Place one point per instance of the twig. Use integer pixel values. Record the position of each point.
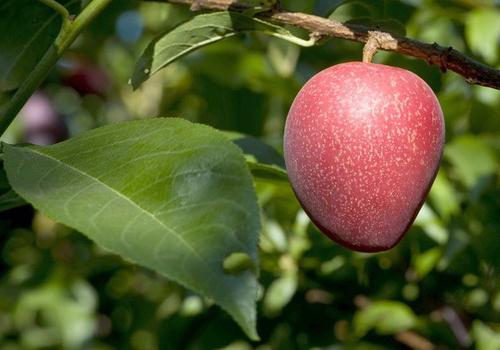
(447, 58)
(65, 16)
(414, 341)
(66, 36)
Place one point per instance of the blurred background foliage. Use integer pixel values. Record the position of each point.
(438, 289)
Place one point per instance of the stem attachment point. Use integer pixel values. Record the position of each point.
(377, 40)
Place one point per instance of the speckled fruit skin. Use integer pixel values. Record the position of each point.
(363, 143)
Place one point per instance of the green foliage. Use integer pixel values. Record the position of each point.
(486, 338)
(35, 26)
(482, 32)
(373, 14)
(196, 33)
(471, 158)
(170, 195)
(8, 198)
(386, 317)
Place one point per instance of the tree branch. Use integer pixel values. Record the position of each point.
(446, 58)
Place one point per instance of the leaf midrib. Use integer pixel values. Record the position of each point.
(119, 194)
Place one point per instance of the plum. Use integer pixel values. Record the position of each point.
(41, 122)
(362, 145)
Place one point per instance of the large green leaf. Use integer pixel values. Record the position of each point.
(198, 32)
(27, 28)
(173, 196)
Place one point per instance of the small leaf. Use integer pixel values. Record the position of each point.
(262, 152)
(268, 173)
(443, 196)
(167, 194)
(485, 337)
(373, 8)
(197, 32)
(482, 31)
(432, 224)
(236, 263)
(265, 163)
(27, 29)
(386, 317)
(471, 159)
(426, 261)
(279, 293)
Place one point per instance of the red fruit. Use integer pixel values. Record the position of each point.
(363, 143)
(87, 79)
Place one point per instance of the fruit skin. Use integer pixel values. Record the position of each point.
(362, 146)
(86, 78)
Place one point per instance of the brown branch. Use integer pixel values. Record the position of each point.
(414, 341)
(446, 57)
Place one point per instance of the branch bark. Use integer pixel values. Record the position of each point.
(446, 58)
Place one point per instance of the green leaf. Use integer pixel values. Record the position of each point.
(471, 159)
(237, 263)
(279, 293)
(265, 163)
(268, 173)
(386, 317)
(260, 151)
(426, 261)
(66, 314)
(443, 196)
(485, 337)
(27, 29)
(342, 9)
(167, 194)
(198, 32)
(432, 224)
(8, 198)
(482, 31)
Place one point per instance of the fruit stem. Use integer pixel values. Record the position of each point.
(375, 40)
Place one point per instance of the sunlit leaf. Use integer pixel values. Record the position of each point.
(279, 293)
(386, 317)
(170, 195)
(482, 31)
(471, 159)
(66, 314)
(431, 224)
(426, 261)
(485, 337)
(443, 196)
